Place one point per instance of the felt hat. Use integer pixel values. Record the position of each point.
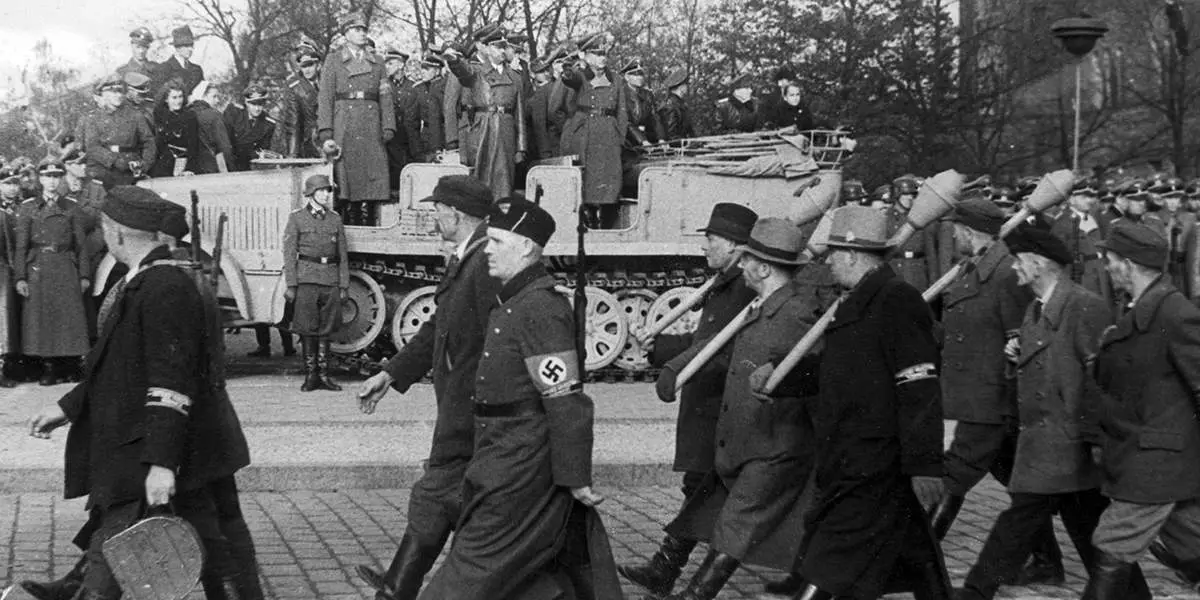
(731, 221)
(464, 193)
(777, 241)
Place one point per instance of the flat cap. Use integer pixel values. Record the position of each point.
(980, 214)
(523, 217)
(1038, 240)
(141, 36)
(137, 207)
(1137, 242)
(464, 193)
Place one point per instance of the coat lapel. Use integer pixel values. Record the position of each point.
(855, 305)
(1036, 336)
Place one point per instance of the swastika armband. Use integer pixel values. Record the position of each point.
(916, 373)
(554, 374)
(164, 398)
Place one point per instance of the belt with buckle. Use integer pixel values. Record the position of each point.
(53, 248)
(601, 112)
(119, 149)
(504, 110)
(523, 408)
(909, 254)
(322, 260)
(371, 96)
(1090, 257)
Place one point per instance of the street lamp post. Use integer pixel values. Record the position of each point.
(1078, 36)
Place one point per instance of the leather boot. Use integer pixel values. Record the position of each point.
(787, 586)
(59, 589)
(5, 382)
(708, 581)
(406, 573)
(49, 375)
(659, 574)
(312, 380)
(812, 592)
(1111, 580)
(1045, 564)
(323, 368)
(289, 347)
(944, 514)
(1186, 570)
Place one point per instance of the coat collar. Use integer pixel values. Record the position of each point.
(348, 56)
(534, 276)
(774, 302)
(860, 297)
(157, 254)
(1152, 298)
(1052, 312)
(991, 260)
(727, 277)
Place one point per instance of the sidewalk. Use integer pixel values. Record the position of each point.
(310, 542)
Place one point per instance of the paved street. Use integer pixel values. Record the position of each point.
(329, 487)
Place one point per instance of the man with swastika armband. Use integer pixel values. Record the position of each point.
(151, 423)
(528, 527)
(877, 422)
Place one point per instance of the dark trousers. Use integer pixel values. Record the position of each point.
(1013, 535)
(262, 333)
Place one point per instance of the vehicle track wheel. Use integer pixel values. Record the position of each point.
(635, 304)
(414, 310)
(364, 313)
(666, 302)
(605, 328)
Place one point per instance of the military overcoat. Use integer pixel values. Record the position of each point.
(494, 101)
(50, 255)
(300, 117)
(596, 132)
(355, 103)
(431, 95)
(114, 138)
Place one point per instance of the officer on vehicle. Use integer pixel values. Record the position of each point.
(644, 124)
(250, 127)
(139, 44)
(317, 275)
(137, 90)
(300, 105)
(740, 111)
(431, 92)
(179, 65)
(405, 146)
(674, 111)
(118, 139)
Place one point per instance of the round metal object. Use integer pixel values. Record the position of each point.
(417, 307)
(364, 313)
(605, 328)
(666, 303)
(635, 303)
(1079, 34)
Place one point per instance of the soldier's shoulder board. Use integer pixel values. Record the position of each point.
(271, 120)
(294, 83)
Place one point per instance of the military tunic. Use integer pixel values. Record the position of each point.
(675, 118)
(495, 105)
(644, 124)
(597, 131)
(916, 261)
(1081, 233)
(315, 264)
(543, 143)
(114, 138)
(430, 97)
(145, 67)
(50, 256)
(300, 117)
(404, 147)
(355, 104)
(247, 134)
(533, 444)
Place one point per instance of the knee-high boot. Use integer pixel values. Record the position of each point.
(323, 367)
(406, 572)
(312, 380)
(712, 576)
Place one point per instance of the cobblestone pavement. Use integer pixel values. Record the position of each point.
(310, 542)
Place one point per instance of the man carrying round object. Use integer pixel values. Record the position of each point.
(317, 275)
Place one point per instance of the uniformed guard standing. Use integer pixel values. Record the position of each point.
(597, 130)
(139, 44)
(917, 260)
(728, 227)
(527, 492)
(1181, 226)
(118, 139)
(10, 322)
(451, 345)
(1148, 366)
(317, 274)
(179, 65)
(405, 146)
(878, 429)
(644, 125)
(431, 93)
(300, 105)
(1081, 228)
(740, 111)
(673, 112)
(250, 128)
(355, 109)
(51, 267)
(89, 197)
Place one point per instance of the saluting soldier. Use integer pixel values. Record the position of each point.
(139, 44)
(878, 429)
(673, 112)
(405, 146)
(50, 264)
(729, 226)
(494, 95)
(317, 274)
(250, 128)
(431, 94)
(916, 261)
(451, 345)
(300, 105)
(644, 125)
(152, 423)
(527, 492)
(740, 111)
(118, 139)
(10, 323)
(355, 110)
(598, 128)
(179, 65)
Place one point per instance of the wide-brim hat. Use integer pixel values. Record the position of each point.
(463, 193)
(182, 36)
(857, 227)
(677, 78)
(317, 182)
(777, 241)
(731, 221)
(1137, 242)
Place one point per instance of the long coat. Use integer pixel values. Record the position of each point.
(597, 131)
(355, 104)
(1087, 268)
(700, 398)
(1058, 399)
(764, 454)
(404, 147)
(178, 136)
(1149, 369)
(676, 120)
(214, 140)
(51, 256)
(544, 142)
(877, 423)
(517, 505)
(10, 323)
(148, 396)
(644, 124)
(495, 102)
(431, 95)
(982, 310)
(300, 117)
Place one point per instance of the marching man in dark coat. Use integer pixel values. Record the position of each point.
(50, 264)
(151, 422)
(317, 273)
(300, 105)
(878, 430)
(1053, 470)
(527, 495)
(982, 315)
(450, 344)
(1149, 368)
(728, 227)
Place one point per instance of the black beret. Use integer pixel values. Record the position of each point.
(174, 223)
(1040, 241)
(137, 207)
(1138, 243)
(523, 217)
(465, 193)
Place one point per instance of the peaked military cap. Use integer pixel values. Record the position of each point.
(523, 217)
(137, 81)
(352, 20)
(112, 82)
(488, 34)
(633, 66)
(1085, 186)
(396, 54)
(432, 60)
(1168, 186)
(255, 94)
(677, 78)
(141, 36)
(595, 42)
(50, 166)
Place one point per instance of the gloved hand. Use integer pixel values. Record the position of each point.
(388, 134)
(665, 386)
(519, 157)
(23, 288)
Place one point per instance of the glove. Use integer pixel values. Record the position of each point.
(519, 157)
(665, 386)
(290, 293)
(23, 288)
(388, 134)
(325, 135)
